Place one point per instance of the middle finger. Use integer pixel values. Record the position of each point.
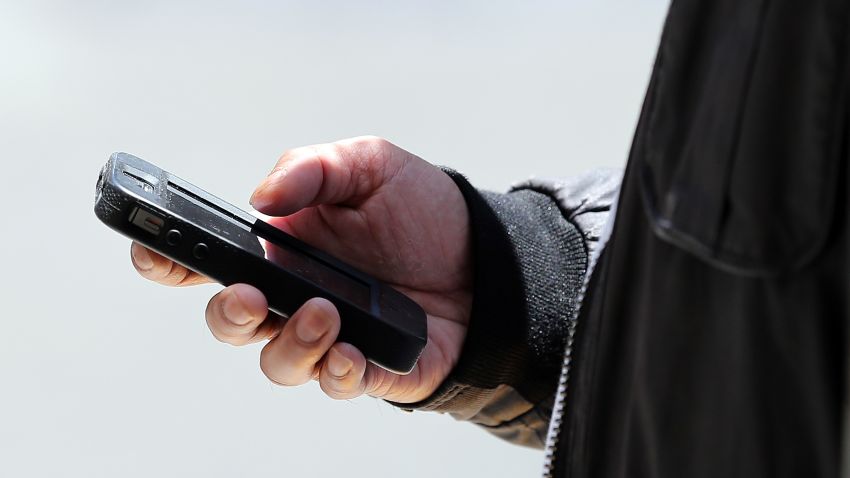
(239, 315)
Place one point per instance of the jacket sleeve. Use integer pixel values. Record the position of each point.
(531, 249)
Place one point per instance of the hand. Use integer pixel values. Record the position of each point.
(386, 212)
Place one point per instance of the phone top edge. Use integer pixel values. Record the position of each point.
(132, 165)
(188, 188)
(127, 181)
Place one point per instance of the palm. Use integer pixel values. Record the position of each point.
(411, 231)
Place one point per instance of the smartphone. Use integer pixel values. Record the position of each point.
(209, 236)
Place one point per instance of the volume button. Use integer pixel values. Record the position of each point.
(201, 251)
(173, 237)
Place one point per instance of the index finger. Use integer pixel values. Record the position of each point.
(155, 267)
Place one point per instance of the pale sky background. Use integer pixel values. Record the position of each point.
(105, 374)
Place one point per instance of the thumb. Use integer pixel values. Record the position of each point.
(343, 173)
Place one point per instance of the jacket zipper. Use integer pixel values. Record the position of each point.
(561, 394)
(554, 432)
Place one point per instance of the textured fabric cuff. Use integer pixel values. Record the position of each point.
(529, 262)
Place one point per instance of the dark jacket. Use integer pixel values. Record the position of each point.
(712, 338)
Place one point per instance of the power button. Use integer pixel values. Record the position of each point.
(201, 251)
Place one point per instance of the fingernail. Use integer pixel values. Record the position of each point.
(142, 258)
(260, 199)
(312, 326)
(338, 364)
(234, 309)
(257, 200)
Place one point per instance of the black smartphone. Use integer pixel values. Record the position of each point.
(205, 234)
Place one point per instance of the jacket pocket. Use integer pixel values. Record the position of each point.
(743, 131)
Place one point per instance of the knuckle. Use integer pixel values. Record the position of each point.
(365, 148)
(373, 148)
(371, 140)
(289, 155)
(331, 153)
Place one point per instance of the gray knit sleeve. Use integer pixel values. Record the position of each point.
(530, 251)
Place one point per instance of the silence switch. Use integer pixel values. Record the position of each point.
(146, 220)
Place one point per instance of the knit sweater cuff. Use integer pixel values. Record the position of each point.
(529, 262)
